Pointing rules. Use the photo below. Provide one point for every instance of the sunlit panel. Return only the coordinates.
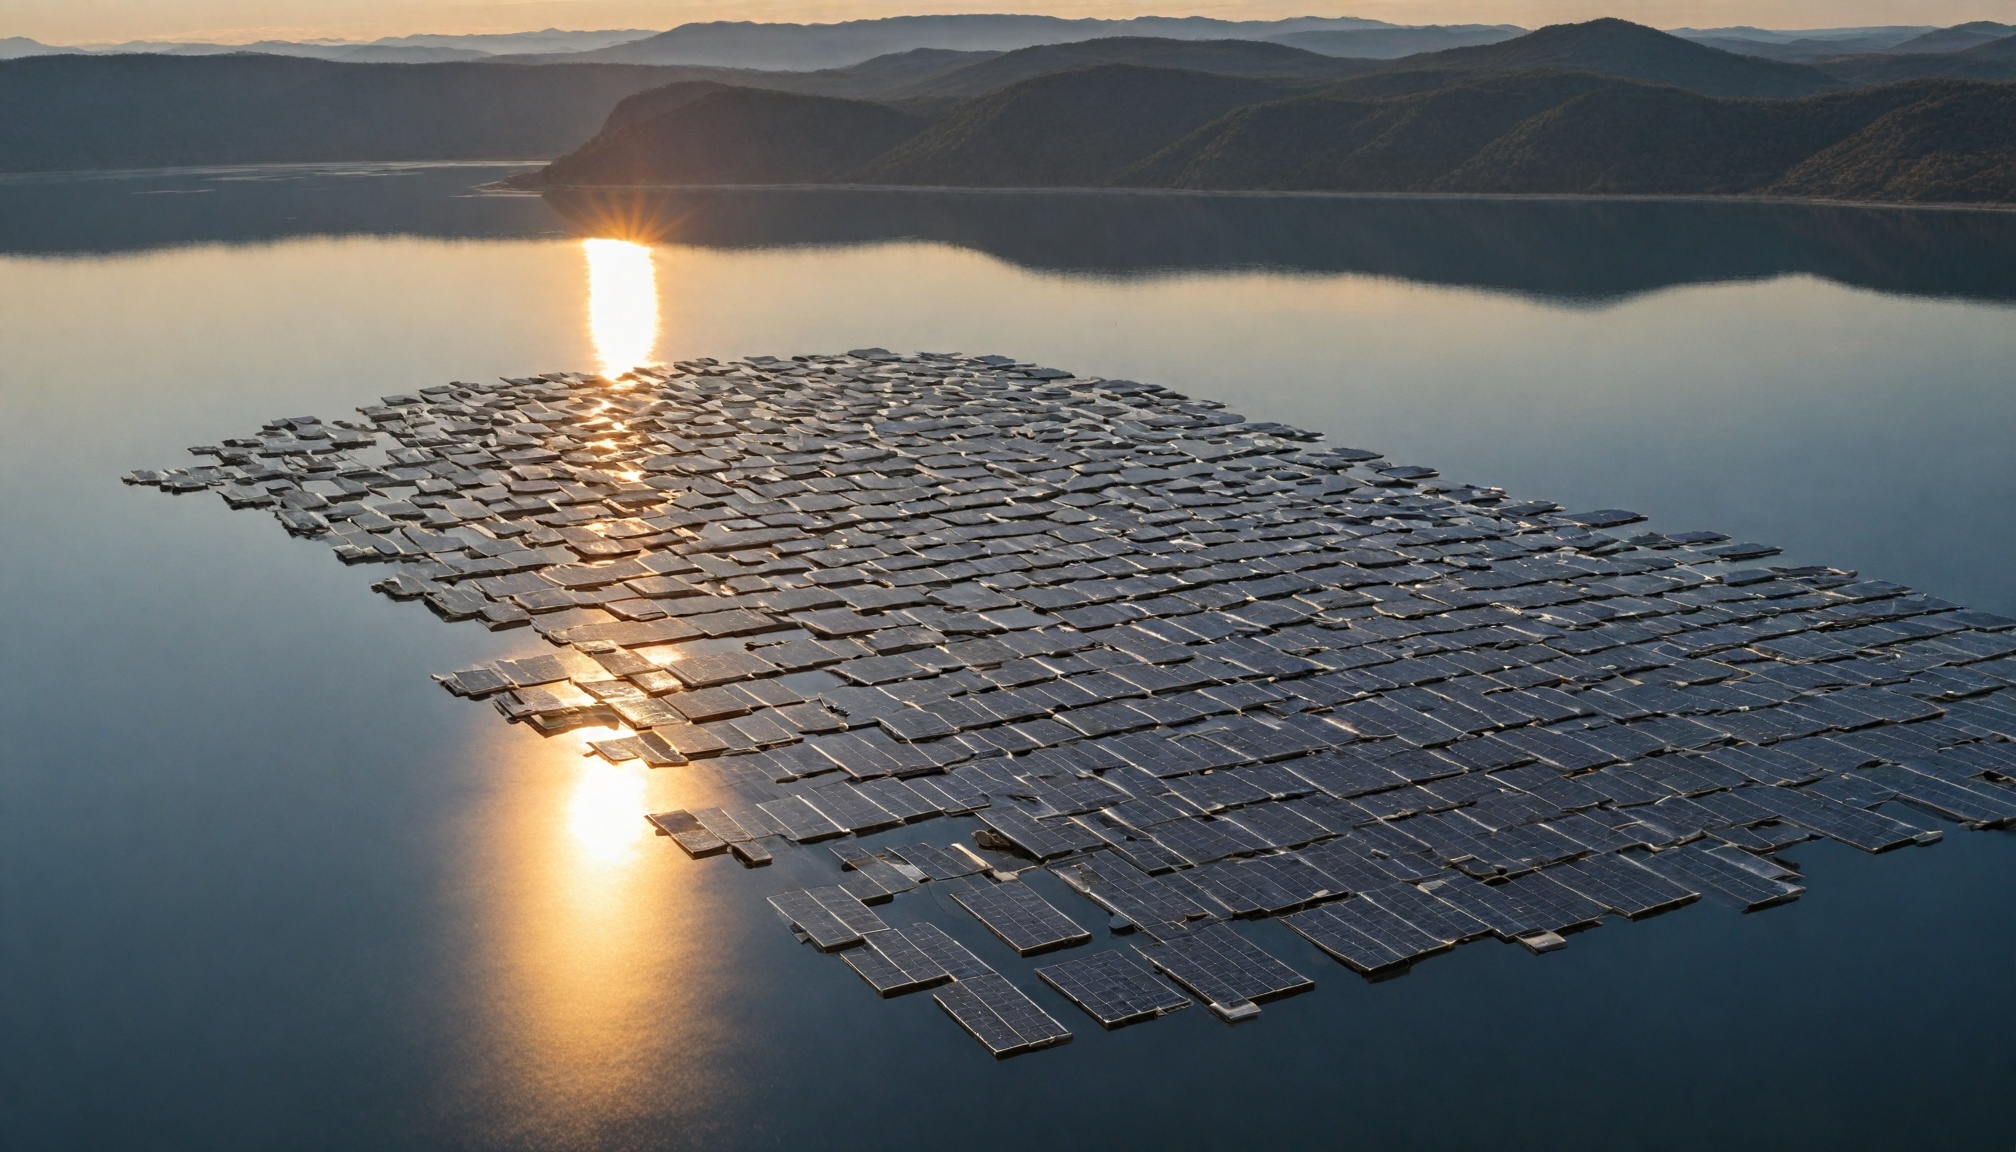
(622, 304)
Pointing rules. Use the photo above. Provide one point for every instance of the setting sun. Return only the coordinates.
(622, 304)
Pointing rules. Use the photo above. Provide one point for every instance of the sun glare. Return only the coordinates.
(605, 812)
(622, 304)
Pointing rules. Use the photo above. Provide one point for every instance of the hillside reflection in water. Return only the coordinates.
(1562, 249)
(1565, 249)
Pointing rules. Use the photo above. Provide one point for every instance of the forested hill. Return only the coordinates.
(1534, 132)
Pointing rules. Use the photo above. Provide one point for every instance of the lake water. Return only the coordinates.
(263, 885)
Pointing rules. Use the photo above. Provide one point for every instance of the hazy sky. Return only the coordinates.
(78, 21)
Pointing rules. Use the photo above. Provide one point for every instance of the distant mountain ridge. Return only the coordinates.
(1610, 109)
(1221, 57)
(21, 47)
(146, 111)
(1393, 43)
(1604, 106)
(1994, 60)
(1803, 49)
(1612, 47)
(62, 111)
(1958, 38)
(808, 47)
(816, 47)
(746, 44)
(419, 49)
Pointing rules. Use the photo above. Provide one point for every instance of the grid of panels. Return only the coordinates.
(1202, 668)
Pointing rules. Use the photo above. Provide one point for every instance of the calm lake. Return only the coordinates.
(264, 885)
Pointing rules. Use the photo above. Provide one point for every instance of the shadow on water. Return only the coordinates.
(1562, 250)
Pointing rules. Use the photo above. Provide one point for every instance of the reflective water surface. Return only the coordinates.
(262, 884)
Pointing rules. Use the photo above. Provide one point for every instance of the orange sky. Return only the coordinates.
(80, 21)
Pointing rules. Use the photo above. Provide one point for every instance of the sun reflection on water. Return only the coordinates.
(605, 812)
(622, 304)
(595, 968)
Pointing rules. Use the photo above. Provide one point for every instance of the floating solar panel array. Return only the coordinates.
(1195, 668)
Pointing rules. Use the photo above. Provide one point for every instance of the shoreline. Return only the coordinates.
(1537, 197)
(502, 187)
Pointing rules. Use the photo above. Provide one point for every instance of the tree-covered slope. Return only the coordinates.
(1068, 128)
(739, 136)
